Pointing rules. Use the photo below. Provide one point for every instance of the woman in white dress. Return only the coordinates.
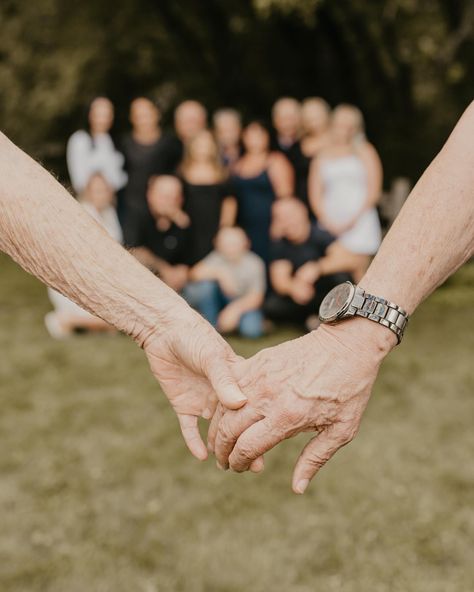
(98, 200)
(93, 151)
(345, 184)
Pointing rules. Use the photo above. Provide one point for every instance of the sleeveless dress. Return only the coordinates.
(203, 204)
(344, 193)
(255, 197)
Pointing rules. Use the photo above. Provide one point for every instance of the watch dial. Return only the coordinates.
(335, 301)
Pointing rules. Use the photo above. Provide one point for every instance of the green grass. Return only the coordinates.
(97, 491)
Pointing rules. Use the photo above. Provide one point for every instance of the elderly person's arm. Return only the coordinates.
(323, 381)
(46, 231)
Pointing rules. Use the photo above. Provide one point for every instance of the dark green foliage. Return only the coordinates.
(407, 63)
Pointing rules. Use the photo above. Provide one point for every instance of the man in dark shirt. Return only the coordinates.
(293, 297)
(190, 117)
(148, 152)
(286, 120)
(160, 239)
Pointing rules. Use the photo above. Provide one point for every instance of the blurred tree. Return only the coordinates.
(407, 63)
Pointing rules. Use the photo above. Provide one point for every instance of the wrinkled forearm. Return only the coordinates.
(50, 235)
(434, 232)
(148, 259)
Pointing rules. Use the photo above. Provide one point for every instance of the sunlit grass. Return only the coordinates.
(98, 493)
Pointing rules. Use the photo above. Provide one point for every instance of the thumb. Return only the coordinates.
(225, 385)
(316, 454)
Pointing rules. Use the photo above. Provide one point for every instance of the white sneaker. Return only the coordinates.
(54, 327)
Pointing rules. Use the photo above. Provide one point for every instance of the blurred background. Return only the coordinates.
(97, 490)
(408, 64)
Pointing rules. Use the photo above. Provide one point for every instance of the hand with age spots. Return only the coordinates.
(320, 382)
(192, 363)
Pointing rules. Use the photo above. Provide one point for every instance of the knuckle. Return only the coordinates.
(226, 432)
(244, 451)
(347, 434)
(318, 460)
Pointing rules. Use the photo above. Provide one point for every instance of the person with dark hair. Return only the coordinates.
(227, 124)
(160, 238)
(293, 298)
(260, 177)
(209, 196)
(148, 152)
(92, 150)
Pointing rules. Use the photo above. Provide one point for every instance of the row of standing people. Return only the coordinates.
(238, 175)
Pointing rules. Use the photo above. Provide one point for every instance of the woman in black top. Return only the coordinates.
(315, 114)
(148, 152)
(209, 197)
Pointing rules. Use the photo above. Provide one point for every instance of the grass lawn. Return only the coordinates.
(98, 494)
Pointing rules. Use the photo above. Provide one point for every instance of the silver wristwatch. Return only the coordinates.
(347, 300)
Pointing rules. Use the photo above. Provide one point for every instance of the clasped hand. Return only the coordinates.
(320, 382)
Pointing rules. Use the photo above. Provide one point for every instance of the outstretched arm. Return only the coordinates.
(323, 380)
(46, 231)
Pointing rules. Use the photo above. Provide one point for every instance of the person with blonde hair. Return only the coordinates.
(315, 118)
(209, 196)
(345, 185)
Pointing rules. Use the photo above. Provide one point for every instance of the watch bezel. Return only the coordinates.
(343, 309)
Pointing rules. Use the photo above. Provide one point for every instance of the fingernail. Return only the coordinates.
(207, 413)
(210, 447)
(301, 486)
(220, 467)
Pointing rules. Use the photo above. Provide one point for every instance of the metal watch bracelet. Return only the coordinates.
(378, 309)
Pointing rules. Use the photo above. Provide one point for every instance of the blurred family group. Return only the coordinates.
(251, 224)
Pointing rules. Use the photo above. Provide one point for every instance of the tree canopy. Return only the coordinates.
(408, 64)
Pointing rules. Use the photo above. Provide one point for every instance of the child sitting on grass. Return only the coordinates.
(98, 199)
(229, 285)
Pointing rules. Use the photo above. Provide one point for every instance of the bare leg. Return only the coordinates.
(339, 259)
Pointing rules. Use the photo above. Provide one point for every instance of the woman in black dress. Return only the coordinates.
(209, 197)
(315, 113)
(260, 177)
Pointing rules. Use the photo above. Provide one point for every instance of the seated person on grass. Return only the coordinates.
(160, 239)
(229, 285)
(98, 199)
(294, 297)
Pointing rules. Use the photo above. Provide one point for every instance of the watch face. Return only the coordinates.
(336, 302)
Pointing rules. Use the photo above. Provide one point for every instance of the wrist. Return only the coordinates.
(156, 315)
(363, 335)
(389, 289)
